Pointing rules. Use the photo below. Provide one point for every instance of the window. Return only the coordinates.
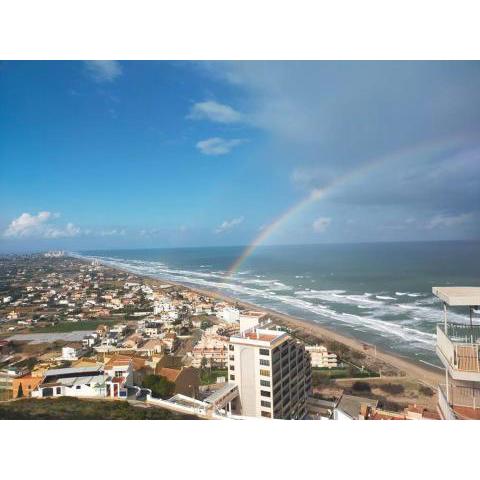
(59, 390)
(264, 351)
(232, 358)
(265, 363)
(232, 377)
(78, 387)
(232, 367)
(266, 414)
(264, 393)
(266, 404)
(265, 373)
(264, 383)
(231, 347)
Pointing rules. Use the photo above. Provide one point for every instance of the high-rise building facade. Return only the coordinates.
(272, 372)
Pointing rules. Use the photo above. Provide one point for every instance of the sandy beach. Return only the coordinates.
(423, 373)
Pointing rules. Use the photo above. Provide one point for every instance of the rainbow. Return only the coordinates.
(425, 148)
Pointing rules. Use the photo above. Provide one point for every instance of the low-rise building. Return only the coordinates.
(109, 381)
(320, 356)
(229, 314)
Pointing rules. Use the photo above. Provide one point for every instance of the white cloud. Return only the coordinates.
(70, 230)
(103, 70)
(113, 231)
(229, 224)
(27, 225)
(321, 224)
(217, 145)
(215, 112)
(447, 221)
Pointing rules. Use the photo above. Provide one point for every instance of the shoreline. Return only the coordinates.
(422, 373)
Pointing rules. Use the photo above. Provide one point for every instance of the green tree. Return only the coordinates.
(160, 386)
(20, 391)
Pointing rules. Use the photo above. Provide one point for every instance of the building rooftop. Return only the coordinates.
(352, 405)
(74, 371)
(171, 374)
(76, 381)
(458, 296)
(257, 335)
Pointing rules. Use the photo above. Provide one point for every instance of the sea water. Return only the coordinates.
(379, 293)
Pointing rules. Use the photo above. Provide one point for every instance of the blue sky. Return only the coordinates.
(162, 154)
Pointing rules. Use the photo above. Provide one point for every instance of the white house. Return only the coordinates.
(109, 381)
(229, 314)
(70, 353)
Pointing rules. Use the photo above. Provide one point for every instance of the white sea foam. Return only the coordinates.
(323, 304)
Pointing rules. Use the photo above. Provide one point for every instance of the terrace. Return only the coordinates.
(464, 402)
(458, 346)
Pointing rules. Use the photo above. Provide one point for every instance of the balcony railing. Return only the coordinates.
(460, 345)
(463, 401)
(447, 411)
(462, 333)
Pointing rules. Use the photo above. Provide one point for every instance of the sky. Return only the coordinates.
(120, 154)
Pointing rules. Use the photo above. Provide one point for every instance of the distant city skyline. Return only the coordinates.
(114, 154)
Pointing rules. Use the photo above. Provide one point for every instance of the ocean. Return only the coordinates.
(380, 293)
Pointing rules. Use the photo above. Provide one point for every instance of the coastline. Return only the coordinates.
(406, 367)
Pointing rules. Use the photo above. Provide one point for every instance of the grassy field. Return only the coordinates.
(64, 327)
(343, 372)
(67, 408)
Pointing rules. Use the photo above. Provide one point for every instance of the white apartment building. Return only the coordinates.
(272, 372)
(229, 314)
(320, 356)
(250, 319)
(458, 347)
(212, 348)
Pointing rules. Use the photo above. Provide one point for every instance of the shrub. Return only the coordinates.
(160, 386)
(361, 387)
(427, 391)
(392, 388)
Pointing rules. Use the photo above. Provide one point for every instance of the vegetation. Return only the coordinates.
(206, 324)
(64, 327)
(69, 408)
(209, 375)
(160, 386)
(427, 391)
(322, 376)
(392, 388)
(362, 387)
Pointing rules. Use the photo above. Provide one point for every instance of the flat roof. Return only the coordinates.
(351, 404)
(217, 394)
(458, 296)
(73, 370)
(74, 381)
(259, 336)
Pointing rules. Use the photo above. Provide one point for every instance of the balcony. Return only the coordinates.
(463, 404)
(458, 347)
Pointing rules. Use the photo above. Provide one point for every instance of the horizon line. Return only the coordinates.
(19, 252)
